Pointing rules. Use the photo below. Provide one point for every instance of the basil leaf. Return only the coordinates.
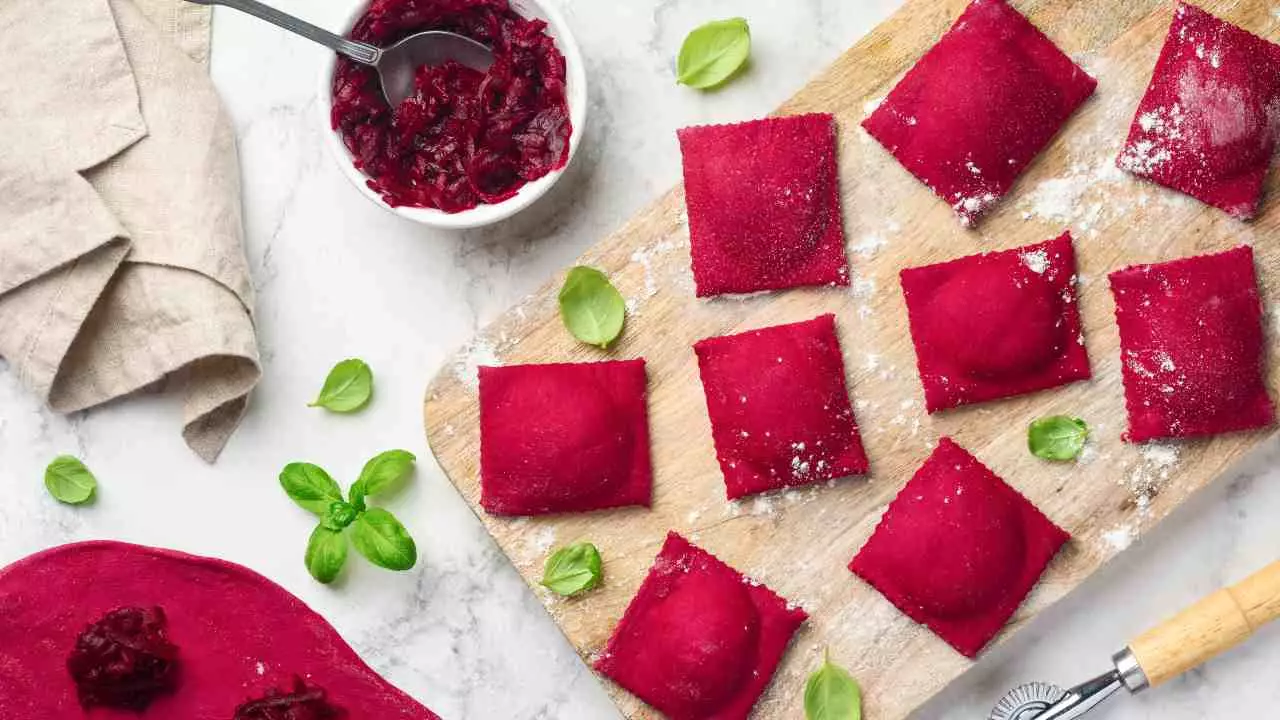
(380, 537)
(713, 52)
(1057, 437)
(573, 570)
(347, 388)
(591, 307)
(69, 481)
(339, 515)
(310, 487)
(381, 474)
(326, 553)
(832, 694)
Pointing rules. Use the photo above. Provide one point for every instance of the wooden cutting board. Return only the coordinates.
(799, 542)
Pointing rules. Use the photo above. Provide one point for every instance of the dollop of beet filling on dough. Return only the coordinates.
(124, 660)
(304, 702)
(464, 137)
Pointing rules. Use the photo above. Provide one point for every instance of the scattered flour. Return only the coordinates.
(645, 257)
(543, 539)
(1081, 198)
(763, 505)
(467, 364)
(869, 245)
(1037, 261)
(1147, 477)
(1120, 537)
(972, 206)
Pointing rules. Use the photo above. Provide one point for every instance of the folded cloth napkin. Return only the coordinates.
(121, 254)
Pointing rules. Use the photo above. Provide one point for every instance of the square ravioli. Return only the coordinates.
(764, 205)
(997, 324)
(1207, 124)
(780, 413)
(563, 437)
(699, 641)
(1192, 346)
(958, 550)
(979, 106)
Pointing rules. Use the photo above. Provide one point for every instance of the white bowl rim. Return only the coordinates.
(484, 214)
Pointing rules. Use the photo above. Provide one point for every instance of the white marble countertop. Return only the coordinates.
(338, 277)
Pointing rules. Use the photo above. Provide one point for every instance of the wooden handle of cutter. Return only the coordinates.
(1210, 627)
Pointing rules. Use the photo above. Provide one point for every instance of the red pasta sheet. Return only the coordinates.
(997, 324)
(564, 437)
(1192, 346)
(780, 413)
(979, 106)
(1208, 122)
(699, 641)
(238, 636)
(958, 550)
(764, 205)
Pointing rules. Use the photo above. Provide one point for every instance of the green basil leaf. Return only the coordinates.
(591, 307)
(69, 481)
(348, 387)
(326, 553)
(380, 537)
(310, 487)
(382, 474)
(339, 515)
(1057, 437)
(713, 52)
(832, 694)
(573, 570)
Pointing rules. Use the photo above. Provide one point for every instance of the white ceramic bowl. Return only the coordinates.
(576, 95)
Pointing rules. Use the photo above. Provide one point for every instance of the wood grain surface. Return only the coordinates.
(798, 542)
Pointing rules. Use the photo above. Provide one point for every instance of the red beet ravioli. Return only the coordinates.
(699, 641)
(995, 325)
(780, 413)
(958, 550)
(1207, 125)
(563, 437)
(979, 106)
(764, 205)
(1192, 346)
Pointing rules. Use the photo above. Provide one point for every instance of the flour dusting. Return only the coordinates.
(1145, 479)
(466, 366)
(1120, 537)
(1037, 261)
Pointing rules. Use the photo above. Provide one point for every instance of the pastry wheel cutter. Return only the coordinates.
(1212, 626)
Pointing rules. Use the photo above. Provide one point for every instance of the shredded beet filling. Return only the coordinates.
(464, 137)
(124, 660)
(304, 702)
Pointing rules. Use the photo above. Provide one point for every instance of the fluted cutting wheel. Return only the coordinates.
(1027, 702)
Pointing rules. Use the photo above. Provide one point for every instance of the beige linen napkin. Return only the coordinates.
(121, 256)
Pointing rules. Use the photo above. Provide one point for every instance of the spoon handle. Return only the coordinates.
(362, 53)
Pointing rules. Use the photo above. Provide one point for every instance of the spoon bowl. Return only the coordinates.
(397, 64)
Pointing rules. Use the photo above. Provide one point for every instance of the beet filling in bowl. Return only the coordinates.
(464, 139)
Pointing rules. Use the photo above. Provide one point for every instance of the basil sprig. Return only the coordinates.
(591, 307)
(376, 533)
(832, 694)
(1057, 437)
(69, 481)
(713, 53)
(573, 570)
(347, 388)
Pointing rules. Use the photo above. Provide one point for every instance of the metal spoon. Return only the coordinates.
(395, 64)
